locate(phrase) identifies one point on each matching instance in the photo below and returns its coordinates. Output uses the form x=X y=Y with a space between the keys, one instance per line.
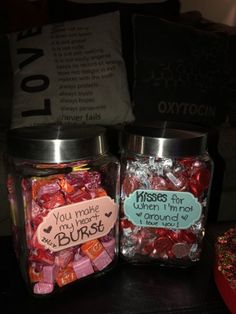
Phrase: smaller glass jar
x=63 y=189
x=165 y=183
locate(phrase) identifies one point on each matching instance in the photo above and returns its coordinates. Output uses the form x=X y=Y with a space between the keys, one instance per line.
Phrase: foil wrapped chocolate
x=166 y=178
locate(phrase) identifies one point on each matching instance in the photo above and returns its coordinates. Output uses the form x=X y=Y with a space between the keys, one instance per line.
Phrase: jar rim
x=56 y=143
x=164 y=141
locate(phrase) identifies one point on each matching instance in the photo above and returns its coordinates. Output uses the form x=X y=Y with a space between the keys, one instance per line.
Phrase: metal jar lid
x=163 y=142
x=56 y=143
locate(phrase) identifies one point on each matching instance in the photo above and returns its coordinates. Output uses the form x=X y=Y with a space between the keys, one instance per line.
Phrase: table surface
x=127 y=289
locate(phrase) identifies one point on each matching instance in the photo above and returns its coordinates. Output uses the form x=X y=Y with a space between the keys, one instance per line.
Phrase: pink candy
x=43 y=288
x=64 y=257
x=83 y=267
x=41 y=195
x=49 y=189
x=49 y=274
x=110 y=247
x=102 y=260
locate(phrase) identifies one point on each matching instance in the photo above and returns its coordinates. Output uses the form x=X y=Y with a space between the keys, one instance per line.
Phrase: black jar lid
x=164 y=141
x=56 y=143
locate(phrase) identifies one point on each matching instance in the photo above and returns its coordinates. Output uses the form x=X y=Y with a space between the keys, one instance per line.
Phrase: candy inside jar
x=165 y=183
x=63 y=191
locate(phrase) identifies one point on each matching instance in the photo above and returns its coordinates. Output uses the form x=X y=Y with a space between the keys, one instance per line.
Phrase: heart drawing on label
x=48 y=229
x=184 y=217
x=108 y=214
x=139 y=214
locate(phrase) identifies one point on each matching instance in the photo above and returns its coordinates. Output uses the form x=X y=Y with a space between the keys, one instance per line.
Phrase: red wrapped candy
x=166 y=182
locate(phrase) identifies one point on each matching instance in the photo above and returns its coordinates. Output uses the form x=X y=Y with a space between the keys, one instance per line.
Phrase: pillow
x=71 y=72
x=76 y=9
x=196 y=19
x=180 y=73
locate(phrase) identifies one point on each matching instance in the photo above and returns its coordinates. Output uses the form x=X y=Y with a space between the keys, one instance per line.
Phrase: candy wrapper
x=63 y=188
x=65 y=243
x=225 y=267
x=165 y=183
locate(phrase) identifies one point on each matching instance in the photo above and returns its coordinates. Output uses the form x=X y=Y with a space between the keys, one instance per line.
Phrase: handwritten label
x=164 y=209
x=73 y=224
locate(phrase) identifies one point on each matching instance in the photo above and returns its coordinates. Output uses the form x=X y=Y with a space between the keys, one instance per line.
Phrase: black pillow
x=180 y=72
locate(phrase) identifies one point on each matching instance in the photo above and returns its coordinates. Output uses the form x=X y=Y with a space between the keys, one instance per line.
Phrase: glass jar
x=63 y=190
x=165 y=183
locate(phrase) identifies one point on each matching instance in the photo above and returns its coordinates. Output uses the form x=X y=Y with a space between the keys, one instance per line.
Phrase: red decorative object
x=225 y=268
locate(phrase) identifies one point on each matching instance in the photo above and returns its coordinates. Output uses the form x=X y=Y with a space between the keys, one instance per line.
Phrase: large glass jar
x=165 y=183
x=63 y=190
